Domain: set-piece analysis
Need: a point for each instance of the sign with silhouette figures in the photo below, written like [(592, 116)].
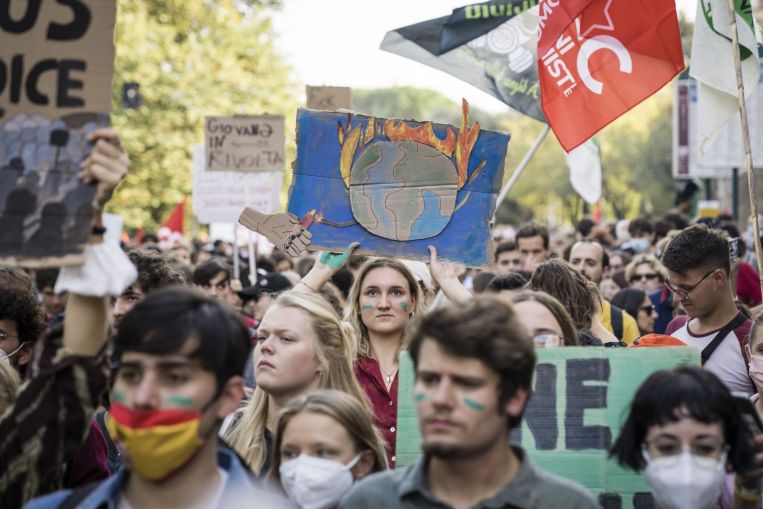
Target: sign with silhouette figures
[(56, 67)]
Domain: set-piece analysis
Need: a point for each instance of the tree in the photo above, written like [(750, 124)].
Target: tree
[(192, 58)]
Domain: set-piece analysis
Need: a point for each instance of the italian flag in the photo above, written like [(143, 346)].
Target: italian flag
[(712, 63)]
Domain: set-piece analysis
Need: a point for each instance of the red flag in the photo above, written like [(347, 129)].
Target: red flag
[(599, 58), (174, 223)]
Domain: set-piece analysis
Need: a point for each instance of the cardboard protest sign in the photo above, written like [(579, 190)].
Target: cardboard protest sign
[(395, 186), (248, 143), (56, 58), (219, 196), (328, 98), (56, 66), (580, 397)]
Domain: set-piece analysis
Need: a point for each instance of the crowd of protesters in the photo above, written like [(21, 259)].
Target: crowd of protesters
[(155, 376)]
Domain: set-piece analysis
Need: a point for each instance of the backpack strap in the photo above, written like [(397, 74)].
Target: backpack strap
[(617, 321), (738, 320)]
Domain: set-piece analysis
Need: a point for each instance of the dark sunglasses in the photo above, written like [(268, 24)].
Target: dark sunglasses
[(637, 277)]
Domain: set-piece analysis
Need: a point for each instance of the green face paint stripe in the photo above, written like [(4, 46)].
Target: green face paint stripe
[(118, 396), (404, 306), (180, 401), (420, 396), (474, 405), (367, 306)]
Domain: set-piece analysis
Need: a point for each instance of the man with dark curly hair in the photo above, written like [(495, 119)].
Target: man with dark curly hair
[(21, 321), (155, 271)]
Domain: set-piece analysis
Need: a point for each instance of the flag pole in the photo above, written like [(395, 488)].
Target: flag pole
[(746, 141), (520, 168)]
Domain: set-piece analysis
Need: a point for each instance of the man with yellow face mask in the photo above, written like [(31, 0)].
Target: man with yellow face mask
[(181, 355)]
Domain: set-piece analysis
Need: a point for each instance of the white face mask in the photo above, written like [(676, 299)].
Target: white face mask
[(7, 356), (316, 483), (686, 481)]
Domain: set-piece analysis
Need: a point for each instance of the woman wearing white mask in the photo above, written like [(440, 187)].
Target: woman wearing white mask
[(683, 431), (325, 441)]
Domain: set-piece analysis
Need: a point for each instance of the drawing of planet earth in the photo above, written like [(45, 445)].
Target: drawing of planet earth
[(403, 190)]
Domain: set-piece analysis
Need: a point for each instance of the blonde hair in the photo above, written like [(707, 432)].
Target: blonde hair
[(648, 259), (346, 411), (336, 353), (353, 299), (9, 385)]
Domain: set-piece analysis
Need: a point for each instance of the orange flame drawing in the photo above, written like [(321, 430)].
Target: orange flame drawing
[(398, 130)]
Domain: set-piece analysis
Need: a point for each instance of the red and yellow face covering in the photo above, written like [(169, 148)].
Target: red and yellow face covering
[(158, 442)]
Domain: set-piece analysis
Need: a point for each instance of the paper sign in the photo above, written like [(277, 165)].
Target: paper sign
[(580, 398), (328, 98), (220, 196), (114, 225), (56, 58), (245, 143), (396, 186)]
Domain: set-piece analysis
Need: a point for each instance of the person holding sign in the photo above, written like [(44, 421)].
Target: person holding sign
[(684, 430), (474, 364), (383, 298)]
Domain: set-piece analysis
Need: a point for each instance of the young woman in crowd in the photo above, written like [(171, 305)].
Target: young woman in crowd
[(645, 273), (684, 431), (545, 318), (301, 346), (324, 442), (637, 304), (383, 298)]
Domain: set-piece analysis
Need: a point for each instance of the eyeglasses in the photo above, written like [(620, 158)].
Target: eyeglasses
[(704, 448), (647, 309), (641, 277), (5, 335), (683, 293), (547, 340)]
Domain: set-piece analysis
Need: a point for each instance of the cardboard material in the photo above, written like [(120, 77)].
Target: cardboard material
[(328, 98), (56, 58), (581, 397), (396, 186), (56, 66), (250, 143), (219, 196)]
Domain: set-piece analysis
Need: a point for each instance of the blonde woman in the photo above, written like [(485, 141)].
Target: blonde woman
[(383, 298), (645, 273), (301, 346), (324, 442)]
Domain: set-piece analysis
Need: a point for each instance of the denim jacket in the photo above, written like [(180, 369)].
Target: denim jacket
[(241, 489)]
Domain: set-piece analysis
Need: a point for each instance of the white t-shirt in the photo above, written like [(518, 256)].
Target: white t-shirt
[(727, 362)]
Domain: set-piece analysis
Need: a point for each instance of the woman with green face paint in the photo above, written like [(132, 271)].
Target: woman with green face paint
[(383, 298)]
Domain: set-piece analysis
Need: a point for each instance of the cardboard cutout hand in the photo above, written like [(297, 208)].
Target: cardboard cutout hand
[(282, 229)]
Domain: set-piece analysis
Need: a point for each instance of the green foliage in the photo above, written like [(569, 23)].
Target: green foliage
[(192, 58)]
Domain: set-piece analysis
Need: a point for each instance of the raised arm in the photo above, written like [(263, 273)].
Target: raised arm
[(325, 267), (446, 274), (86, 316)]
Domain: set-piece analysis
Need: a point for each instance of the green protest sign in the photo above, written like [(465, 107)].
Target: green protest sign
[(580, 397)]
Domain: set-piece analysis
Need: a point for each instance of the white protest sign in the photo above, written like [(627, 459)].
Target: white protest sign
[(220, 196), (114, 225), (251, 143), (328, 98)]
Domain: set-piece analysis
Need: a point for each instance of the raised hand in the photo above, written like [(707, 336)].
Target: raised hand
[(107, 164), (282, 229)]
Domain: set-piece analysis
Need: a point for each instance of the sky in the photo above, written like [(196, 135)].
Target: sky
[(336, 42)]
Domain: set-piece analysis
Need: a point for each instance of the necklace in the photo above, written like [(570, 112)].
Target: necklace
[(388, 376)]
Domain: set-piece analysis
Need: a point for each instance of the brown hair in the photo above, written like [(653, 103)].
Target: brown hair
[(565, 283), (346, 411), (353, 299), (485, 328), (555, 307)]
